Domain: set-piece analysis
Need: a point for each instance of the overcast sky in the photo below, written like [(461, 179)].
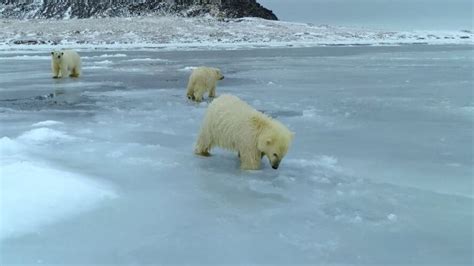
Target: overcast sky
[(387, 14)]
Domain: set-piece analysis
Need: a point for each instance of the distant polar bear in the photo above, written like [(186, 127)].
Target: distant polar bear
[(202, 80), (232, 124), (64, 61)]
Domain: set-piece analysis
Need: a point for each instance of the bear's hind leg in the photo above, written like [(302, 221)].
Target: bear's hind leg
[(75, 73), (63, 71), (190, 94)]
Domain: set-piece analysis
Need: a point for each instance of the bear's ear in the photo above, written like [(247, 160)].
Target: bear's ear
[(62, 53), (268, 141)]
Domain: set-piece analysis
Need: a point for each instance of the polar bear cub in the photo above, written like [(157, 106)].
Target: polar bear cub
[(65, 61), (232, 124), (202, 80)]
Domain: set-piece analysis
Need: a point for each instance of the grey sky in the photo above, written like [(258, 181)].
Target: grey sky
[(389, 14)]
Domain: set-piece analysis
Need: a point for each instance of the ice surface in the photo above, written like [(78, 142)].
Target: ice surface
[(380, 171)]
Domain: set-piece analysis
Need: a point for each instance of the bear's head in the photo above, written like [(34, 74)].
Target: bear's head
[(274, 140), (57, 55), (219, 75)]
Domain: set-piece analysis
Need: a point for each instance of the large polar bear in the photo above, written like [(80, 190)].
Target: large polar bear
[(202, 80), (232, 124), (64, 61)]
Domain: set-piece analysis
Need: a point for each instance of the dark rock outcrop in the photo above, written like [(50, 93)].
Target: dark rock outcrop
[(246, 8), (60, 9)]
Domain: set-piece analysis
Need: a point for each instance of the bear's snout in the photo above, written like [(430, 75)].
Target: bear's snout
[(275, 165), (221, 78), (59, 56)]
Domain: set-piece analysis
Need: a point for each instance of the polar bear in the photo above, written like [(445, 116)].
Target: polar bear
[(202, 80), (232, 124), (64, 61)]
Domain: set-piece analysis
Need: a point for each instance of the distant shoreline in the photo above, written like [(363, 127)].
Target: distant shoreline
[(171, 48), (176, 33)]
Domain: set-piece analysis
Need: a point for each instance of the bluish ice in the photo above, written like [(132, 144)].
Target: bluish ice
[(101, 170)]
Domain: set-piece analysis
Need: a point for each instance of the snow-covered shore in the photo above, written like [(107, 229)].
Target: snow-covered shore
[(177, 33)]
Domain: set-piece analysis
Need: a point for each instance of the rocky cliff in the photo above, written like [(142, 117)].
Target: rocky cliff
[(64, 9)]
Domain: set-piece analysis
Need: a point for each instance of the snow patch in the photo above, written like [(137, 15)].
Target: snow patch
[(104, 62), (147, 60), (47, 123), (9, 147), (187, 69), (94, 67), (309, 113), (392, 217), (321, 161), (105, 56), (35, 194), (44, 135), (26, 57), (67, 14)]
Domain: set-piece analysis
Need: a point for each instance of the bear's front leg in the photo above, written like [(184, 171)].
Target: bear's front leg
[(55, 70), (249, 160), (203, 144), (63, 71), (212, 93), (190, 93), (190, 97), (198, 95)]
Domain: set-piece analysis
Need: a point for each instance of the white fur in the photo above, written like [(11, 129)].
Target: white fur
[(232, 124), (202, 80), (65, 61)]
